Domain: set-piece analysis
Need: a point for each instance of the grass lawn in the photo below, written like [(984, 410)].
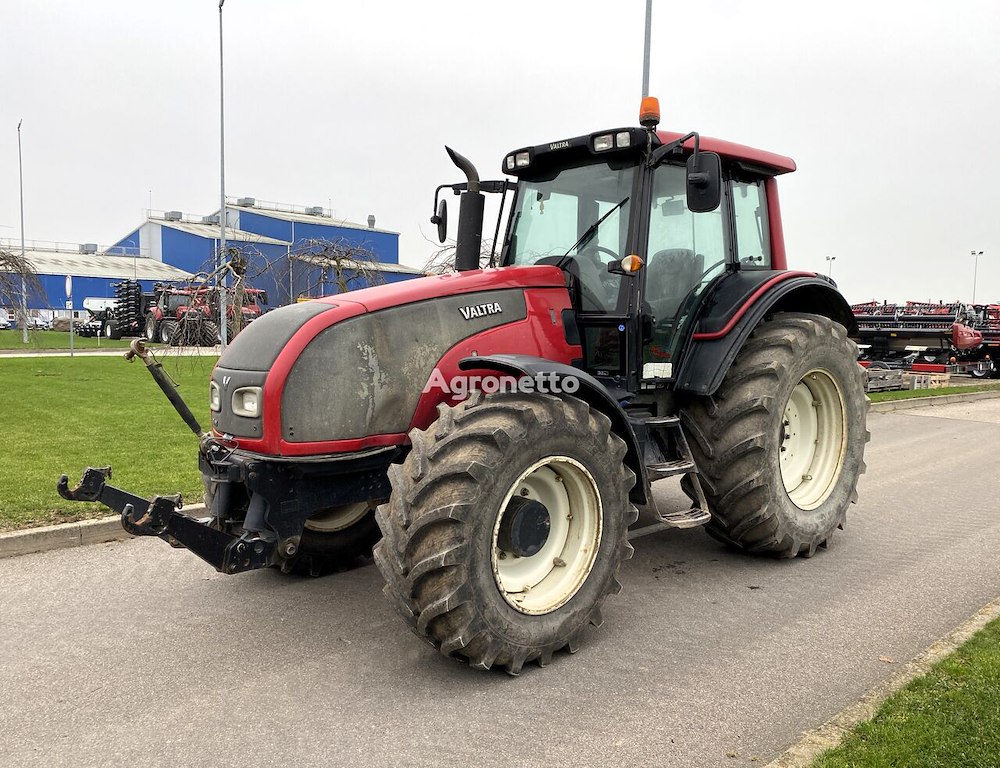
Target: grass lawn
[(59, 415), (11, 339), (906, 394), (950, 717)]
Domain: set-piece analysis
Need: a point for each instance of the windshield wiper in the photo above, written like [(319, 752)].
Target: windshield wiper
[(591, 231)]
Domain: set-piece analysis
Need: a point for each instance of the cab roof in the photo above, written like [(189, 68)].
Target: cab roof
[(768, 162)]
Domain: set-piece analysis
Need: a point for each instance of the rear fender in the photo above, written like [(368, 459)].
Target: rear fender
[(738, 305), (590, 390)]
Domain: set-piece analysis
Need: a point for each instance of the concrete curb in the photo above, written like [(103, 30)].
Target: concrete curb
[(33, 540), (832, 732), (922, 402)]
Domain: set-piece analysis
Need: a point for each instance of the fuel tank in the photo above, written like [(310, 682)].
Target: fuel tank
[(360, 369)]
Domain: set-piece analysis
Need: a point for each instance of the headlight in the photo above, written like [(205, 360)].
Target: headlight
[(246, 402), (214, 397), (604, 142)]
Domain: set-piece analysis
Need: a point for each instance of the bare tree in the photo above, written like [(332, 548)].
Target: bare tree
[(442, 260), (345, 265), (17, 274)]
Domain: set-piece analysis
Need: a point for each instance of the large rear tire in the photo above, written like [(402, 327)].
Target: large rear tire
[(209, 334), (780, 445), (506, 527)]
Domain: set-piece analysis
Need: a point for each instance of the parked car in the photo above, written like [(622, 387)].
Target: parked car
[(38, 324), (5, 322)]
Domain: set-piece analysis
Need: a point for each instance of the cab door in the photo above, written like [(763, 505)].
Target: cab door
[(685, 253)]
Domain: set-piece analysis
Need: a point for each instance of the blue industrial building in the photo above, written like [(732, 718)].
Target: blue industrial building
[(93, 274), (283, 245)]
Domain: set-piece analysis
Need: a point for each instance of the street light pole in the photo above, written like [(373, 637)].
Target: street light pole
[(645, 56), (24, 263), (975, 273), (223, 256), (829, 266)]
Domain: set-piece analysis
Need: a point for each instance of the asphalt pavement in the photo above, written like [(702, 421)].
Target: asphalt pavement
[(135, 653)]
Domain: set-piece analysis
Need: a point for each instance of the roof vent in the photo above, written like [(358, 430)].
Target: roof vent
[(371, 221), (173, 215), (88, 248), (316, 210), (248, 202), (213, 219)]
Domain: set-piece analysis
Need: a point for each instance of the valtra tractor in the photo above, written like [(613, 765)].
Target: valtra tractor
[(642, 324)]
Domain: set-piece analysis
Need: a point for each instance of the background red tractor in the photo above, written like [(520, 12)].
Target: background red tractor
[(642, 325)]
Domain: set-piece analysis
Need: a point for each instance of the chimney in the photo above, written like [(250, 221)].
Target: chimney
[(371, 221)]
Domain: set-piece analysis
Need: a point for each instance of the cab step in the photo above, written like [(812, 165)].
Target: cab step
[(684, 518), (664, 469), (672, 445)]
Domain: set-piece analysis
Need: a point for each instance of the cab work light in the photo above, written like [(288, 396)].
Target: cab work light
[(517, 160), (608, 141), (603, 142)]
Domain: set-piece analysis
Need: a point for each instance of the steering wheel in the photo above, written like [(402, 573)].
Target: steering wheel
[(601, 249), (608, 281)]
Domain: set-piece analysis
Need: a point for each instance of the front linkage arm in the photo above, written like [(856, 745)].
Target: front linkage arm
[(161, 517)]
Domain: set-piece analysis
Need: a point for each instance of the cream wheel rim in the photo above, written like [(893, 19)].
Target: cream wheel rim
[(338, 518), (812, 439), (547, 580)]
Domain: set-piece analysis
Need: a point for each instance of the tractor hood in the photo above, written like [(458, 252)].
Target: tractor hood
[(348, 371)]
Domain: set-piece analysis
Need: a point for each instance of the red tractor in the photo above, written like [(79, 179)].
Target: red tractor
[(178, 315), (495, 433)]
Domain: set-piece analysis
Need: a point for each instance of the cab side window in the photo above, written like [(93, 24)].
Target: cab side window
[(753, 246)]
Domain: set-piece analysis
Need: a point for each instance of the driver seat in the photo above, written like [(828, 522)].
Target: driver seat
[(670, 275)]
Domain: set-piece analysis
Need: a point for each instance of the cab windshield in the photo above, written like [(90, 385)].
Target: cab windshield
[(577, 220)]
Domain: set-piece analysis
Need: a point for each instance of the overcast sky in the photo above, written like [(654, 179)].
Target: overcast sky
[(890, 109)]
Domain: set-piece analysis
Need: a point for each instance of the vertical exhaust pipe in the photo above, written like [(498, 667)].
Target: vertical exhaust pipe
[(470, 216)]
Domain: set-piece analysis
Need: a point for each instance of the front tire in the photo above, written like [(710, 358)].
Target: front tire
[(979, 373), (168, 329), (506, 527), (780, 445), (335, 540)]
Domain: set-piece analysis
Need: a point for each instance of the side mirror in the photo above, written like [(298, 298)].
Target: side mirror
[(704, 182), (441, 219)]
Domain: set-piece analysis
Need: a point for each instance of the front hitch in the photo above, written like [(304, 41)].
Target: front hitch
[(161, 516)]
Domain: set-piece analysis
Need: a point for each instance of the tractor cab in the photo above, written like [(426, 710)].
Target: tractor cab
[(645, 224)]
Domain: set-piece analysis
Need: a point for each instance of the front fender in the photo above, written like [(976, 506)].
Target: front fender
[(737, 305), (591, 391)]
